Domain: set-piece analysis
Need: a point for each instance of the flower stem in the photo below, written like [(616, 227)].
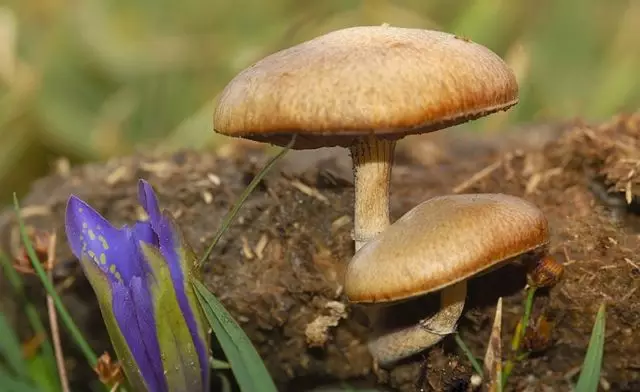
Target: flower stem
[(226, 222), (88, 353)]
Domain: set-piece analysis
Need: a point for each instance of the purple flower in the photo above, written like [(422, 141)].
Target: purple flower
[(141, 276)]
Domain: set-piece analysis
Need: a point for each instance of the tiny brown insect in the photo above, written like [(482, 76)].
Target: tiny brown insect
[(545, 273), (538, 336)]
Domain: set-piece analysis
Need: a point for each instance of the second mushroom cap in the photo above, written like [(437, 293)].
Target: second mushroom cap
[(443, 241)]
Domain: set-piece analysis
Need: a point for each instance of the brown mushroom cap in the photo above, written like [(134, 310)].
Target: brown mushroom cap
[(443, 241), (381, 80)]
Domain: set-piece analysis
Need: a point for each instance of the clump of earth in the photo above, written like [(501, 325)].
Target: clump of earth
[(278, 268)]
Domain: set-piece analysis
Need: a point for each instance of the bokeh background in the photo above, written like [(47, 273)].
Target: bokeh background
[(91, 79)]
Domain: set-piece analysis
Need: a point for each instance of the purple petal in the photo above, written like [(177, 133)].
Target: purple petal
[(93, 239), (169, 248), (133, 311), (142, 231), (149, 202), (167, 237)]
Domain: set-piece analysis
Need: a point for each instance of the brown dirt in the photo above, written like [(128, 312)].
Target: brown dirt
[(278, 268)]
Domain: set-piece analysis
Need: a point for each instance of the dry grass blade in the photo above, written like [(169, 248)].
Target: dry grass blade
[(53, 317), (493, 357)]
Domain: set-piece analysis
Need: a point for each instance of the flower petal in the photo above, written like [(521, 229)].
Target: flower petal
[(114, 264), (149, 202), (140, 378), (181, 262), (93, 239), (102, 288), (182, 368), (143, 232), (133, 310)]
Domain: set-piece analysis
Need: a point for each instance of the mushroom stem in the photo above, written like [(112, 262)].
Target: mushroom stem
[(372, 161), (402, 343)]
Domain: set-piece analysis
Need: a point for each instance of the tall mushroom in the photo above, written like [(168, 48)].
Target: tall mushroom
[(438, 245), (364, 88)]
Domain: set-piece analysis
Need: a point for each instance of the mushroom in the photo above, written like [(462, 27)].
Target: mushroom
[(364, 88), (438, 245)]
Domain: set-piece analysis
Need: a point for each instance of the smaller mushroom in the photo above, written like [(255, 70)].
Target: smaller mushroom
[(438, 246)]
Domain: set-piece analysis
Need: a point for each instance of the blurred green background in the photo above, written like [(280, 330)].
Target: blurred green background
[(91, 79)]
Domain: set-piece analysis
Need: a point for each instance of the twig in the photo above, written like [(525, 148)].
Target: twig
[(631, 263), (477, 176), (53, 317)]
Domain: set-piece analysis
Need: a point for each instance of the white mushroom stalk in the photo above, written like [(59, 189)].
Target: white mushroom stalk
[(372, 163), (393, 346)]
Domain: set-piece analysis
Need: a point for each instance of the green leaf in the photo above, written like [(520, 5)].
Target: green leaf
[(12, 384), (590, 375), (246, 364), (43, 373), (10, 350)]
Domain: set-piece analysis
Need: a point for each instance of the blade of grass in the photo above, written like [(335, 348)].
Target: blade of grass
[(590, 374), (521, 329), (38, 327), (243, 197), (43, 374), (10, 349), (80, 341), (11, 384), (528, 306), (465, 349), (246, 364)]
